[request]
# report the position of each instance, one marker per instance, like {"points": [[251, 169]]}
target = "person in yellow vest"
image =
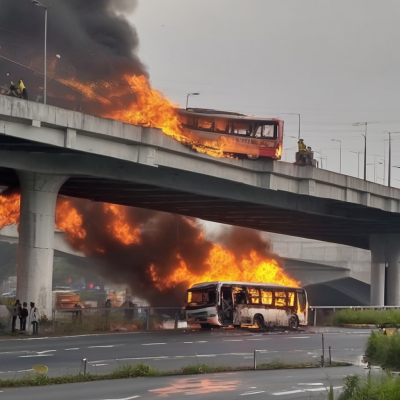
{"points": [[22, 89], [303, 153], [302, 146]]}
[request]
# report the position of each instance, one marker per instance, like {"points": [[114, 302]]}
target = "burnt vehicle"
{"points": [[233, 133], [246, 304]]}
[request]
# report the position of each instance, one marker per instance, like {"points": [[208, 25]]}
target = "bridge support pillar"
{"points": [[385, 256], [36, 238]]}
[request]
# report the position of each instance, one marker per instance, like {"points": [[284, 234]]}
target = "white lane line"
{"points": [[187, 342], [73, 348], [202, 341], [126, 398], [45, 351], [98, 365], [109, 345], [250, 393], [233, 340], [26, 370], [298, 337], [260, 339], [305, 390], [310, 384], [36, 355], [152, 344]]}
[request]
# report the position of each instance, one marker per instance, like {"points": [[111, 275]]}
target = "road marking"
{"points": [[305, 390], [110, 345], [45, 351], [37, 355], [25, 370], [73, 348], [98, 365], [310, 384], [250, 393], [187, 342], [259, 339], [201, 341], [151, 344], [126, 398], [298, 337], [233, 340]]}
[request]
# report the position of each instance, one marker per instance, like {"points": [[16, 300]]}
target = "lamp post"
{"points": [[340, 154], [358, 161], [187, 98], [365, 146], [299, 122], [390, 157], [37, 3]]}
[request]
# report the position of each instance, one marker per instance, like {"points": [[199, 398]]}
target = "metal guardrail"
{"points": [[334, 308]]}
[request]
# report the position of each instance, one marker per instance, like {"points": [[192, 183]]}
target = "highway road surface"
{"points": [[171, 350], [278, 385]]}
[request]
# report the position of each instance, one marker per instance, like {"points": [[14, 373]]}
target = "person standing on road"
{"points": [[33, 318], [22, 317], [15, 312]]}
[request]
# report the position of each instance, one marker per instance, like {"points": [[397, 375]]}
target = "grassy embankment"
{"points": [[141, 370], [367, 317]]}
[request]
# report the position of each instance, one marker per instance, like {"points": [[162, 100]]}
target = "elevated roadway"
{"points": [[46, 150]]}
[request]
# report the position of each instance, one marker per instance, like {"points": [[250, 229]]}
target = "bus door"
{"points": [[226, 305], [241, 313], [302, 307], [279, 316]]}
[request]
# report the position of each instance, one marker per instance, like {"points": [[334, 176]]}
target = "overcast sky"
{"points": [[336, 62]]}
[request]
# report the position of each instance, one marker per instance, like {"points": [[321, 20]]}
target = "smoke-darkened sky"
{"points": [[335, 62]]}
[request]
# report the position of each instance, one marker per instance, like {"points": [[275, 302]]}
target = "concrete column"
{"points": [[377, 247], [36, 238], [385, 251]]}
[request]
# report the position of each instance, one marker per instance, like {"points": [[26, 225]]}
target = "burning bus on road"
{"points": [[233, 133], [239, 303]]}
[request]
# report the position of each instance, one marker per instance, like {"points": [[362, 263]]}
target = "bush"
{"points": [[370, 317], [384, 350], [384, 388]]}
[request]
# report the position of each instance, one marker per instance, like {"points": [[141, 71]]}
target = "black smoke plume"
{"points": [[163, 236], [88, 40]]}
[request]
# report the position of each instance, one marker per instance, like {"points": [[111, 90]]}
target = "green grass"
{"points": [[141, 370], [384, 350], [369, 317], [384, 388]]}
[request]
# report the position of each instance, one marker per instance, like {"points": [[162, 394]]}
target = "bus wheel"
{"points": [[252, 156], [205, 326], [293, 323], [259, 321]]}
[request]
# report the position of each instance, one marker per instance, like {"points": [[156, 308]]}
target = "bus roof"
{"points": [[220, 283], [201, 112]]}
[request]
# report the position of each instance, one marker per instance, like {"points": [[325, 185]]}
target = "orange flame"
{"points": [[69, 221], [119, 228], [9, 209], [222, 266]]}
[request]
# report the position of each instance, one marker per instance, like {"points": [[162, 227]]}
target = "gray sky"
{"points": [[334, 61]]}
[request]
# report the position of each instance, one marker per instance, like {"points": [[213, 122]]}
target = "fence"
{"points": [[70, 320], [323, 315]]}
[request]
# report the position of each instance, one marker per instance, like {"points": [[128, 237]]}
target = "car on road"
{"points": [[9, 294]]}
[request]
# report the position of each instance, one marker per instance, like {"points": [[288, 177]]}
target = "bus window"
{"points": [[266, 297], [301, 302], [205, 125], [290, 299], [269, 131], [239, 295], [201, 297], [280, 299], [254, 295], [241, 128], [221, 126]]}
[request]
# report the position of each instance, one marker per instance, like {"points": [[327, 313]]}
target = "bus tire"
{"points": [[205, 326], [259, 321], [293, 322], [252, 156]]}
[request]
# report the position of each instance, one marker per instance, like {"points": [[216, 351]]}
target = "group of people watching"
{"points": [[24, 315]]}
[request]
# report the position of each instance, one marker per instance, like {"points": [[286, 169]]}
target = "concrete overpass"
{"points": [[47, 150]]}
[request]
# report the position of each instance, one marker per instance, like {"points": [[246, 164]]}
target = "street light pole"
{"points": [[358, 161], [187, 98], [340, 154], [37, 3]]}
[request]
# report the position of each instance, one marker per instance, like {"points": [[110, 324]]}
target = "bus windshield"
{"points": [[201, 297]]}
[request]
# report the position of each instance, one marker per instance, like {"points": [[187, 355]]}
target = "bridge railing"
{"points": [[69, 320], [324, 314]]}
